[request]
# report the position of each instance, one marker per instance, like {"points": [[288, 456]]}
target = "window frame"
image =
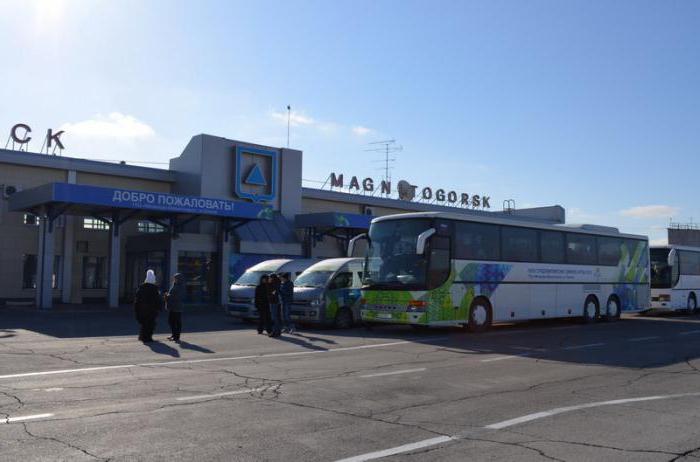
{"points": [[537, 244], [454, 251]]}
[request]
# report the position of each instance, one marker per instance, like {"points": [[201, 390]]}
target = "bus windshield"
{"points": [[391, 260], [660, 270]]}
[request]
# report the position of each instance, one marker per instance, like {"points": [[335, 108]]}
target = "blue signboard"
{"points": [[159, 202]]}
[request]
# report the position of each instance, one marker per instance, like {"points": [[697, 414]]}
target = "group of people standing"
{"points": [[149, 302], [273, 300]]}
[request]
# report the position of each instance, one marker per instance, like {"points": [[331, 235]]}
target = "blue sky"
{"points": [[591, 105]]}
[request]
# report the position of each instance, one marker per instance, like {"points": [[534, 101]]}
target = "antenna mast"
{"points": [[388, 148]]}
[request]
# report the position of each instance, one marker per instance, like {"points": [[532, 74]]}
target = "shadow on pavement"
{"points": [[163, 349], [636, 341], [118, 322], [193, 347], [7, 333], [300, 342]]}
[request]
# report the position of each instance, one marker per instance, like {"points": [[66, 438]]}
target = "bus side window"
{"points": [[609, 251], [581, 249], [552, 247]]}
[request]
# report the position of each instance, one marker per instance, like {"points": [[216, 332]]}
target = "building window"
{"points": [[149, 227], [94, 223], [94, 272], [31, 219], [29, 271]]}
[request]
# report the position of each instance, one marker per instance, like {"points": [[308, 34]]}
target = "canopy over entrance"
{"points": [[116, 206]]}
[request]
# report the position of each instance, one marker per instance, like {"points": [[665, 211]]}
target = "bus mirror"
{"points": [[351, 243], [422, 239], [672, 257]]}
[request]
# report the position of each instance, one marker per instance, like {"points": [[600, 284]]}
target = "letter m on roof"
{"points": [[256, 174]]}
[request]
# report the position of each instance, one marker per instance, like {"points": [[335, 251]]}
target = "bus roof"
{"points": [[575, 228]]}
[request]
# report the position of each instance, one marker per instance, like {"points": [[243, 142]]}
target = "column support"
{"points": [[114, 261], [68, 250], [45, 258], [224, 256]]}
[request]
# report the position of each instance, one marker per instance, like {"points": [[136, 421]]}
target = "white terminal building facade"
{"points": [[81, 231]]}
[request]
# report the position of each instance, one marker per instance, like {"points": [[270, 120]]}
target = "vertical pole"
{"points": [[289, 120], [45, 257], [68, 250], [114, 262], [224, 256]]}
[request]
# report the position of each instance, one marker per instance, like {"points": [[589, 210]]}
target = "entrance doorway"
{"points": [[201, 273], [136, 266]]}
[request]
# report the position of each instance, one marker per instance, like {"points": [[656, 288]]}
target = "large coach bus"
{"points": [[442, 269], [675, 278]]}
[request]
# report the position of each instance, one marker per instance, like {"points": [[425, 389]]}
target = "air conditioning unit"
{"points": [[8, 190], [367, 210]]}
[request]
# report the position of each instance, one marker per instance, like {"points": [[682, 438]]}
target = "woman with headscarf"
{"points": [[147, 303], [262, 304]]}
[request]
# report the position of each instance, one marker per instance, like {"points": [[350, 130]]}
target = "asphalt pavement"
{"points": [[79, 386]]}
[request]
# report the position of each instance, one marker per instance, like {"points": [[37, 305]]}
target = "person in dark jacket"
{"points": [[274, 295], [262, 304], [287, 297], [147, 304], [174, 299]]}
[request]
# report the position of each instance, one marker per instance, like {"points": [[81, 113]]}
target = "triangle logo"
{"points": [[255, 176]]}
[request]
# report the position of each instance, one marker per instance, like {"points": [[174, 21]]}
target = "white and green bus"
{"points": [[444, 269]]}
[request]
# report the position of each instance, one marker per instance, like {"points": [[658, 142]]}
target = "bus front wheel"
{"points": [[480, 315], [591, 310]]}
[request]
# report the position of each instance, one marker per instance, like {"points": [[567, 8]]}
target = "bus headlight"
{"points": [[664, 298], [316, 302]]}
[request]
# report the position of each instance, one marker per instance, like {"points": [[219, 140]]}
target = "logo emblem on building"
{"points": [[256, 174]]}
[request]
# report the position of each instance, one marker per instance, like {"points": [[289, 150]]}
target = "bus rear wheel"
{"points": [[591, 310], [612, 309], [480, 315], [692, 305]]}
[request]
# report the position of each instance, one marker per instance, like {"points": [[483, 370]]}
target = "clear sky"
{"points": [[593, 105]]}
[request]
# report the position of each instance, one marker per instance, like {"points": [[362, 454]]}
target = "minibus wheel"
{"points": [[480, 315], [612, 308], [343, 320], [591, 309]]}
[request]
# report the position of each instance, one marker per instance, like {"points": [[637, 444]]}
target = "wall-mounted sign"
{"points": [[256, 174], [20, 135], [409, 192]]}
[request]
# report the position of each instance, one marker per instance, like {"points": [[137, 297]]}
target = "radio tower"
{"points": [[388, 148]]}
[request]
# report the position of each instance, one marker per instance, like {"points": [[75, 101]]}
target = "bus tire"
{"points": [[692, 303], [480, 315], [343, 320], [613, 308], [591, 310]]}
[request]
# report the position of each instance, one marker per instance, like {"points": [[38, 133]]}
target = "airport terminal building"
{"points": [[82, 231]]}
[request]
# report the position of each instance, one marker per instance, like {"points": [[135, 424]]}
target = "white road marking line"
{"points": [[642, 339], [209, 360], [399, 449], [505, 424], [580, 347], [561, 410], [25, 417], [689, 332], [219, 395], [382, 374], [501, 358], [524, 348]]}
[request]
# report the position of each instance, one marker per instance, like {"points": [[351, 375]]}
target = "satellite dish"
{"points": [[407, 191]]}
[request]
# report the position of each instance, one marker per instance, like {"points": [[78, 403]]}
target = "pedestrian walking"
{"points": [[174, 303], [262, 304], [274, 291], [147, 304], [287, 298]]}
